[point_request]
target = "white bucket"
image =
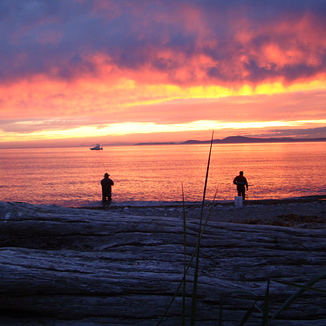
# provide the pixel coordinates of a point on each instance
(238, 200)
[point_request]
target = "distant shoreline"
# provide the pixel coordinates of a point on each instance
(227, 140)
(238, 140)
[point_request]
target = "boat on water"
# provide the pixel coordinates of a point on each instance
(97, 147)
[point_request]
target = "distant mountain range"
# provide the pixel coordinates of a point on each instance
(241, 140)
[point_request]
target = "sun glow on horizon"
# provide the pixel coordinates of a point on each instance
(81, 104)
(130, 128)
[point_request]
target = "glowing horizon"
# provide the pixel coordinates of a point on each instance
(149, 128)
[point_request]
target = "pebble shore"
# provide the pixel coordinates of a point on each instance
(305, 212)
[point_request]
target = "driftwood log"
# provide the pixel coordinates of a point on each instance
(63, 266)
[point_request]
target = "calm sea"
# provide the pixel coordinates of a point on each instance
(71, 176)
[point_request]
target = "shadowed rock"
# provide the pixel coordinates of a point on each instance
(74, 267)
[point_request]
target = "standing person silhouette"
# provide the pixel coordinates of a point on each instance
(106, 184)
(241, 183)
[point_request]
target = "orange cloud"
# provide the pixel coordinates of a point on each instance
(113, 65)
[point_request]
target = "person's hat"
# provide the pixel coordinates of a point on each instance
(106, 174)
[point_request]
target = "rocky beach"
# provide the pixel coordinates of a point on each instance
(123, 264)
(299, 212)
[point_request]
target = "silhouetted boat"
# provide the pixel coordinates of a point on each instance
(96, 148)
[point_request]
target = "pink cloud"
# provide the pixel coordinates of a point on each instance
(101, 62)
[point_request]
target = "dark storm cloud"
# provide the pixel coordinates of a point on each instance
(61, 38)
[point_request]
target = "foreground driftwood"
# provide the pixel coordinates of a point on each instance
(81, 267)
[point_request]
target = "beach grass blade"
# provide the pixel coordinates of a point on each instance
(184, 259)
(307, 286)
(249, 311)
(195, 283)
(266, 306)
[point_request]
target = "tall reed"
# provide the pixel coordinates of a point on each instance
(184, 293)
(195, 254)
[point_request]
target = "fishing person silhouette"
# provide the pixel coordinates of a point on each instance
(106, 184)
(242, 184)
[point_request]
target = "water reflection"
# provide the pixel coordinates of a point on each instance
(71, 176)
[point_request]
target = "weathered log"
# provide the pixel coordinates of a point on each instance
(72, 266)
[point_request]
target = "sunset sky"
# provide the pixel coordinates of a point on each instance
(80, 72)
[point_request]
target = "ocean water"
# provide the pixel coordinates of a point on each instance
(71, 176)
